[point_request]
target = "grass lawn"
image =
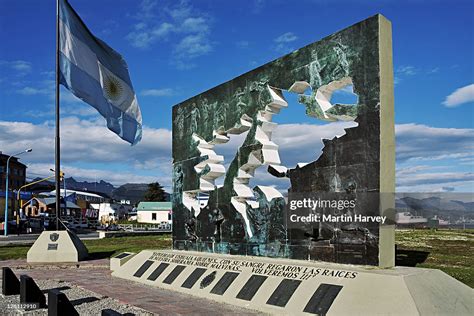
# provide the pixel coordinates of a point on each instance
(451, 251)
(102, 248)
(447, 250)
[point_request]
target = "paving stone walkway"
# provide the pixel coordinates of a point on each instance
(96, 276)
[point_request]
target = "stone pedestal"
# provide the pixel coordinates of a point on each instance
(119, 260)
(57, 246)
(295, 287)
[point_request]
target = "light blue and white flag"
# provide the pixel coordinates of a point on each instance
(98, 75)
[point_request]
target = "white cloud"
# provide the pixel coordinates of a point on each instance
(33, 91)
(193, 46)
(158, 92)
(297, 142)
(146, 10)
(162, 30)
(108, 27)
(20, 67)
(44, 87)
(440, 185)
(67, 97)
(409, 170)
(140, 39)
(303, 142)
(80, 110)
(70, 105)
(195, 25)
(91, 174)
(283, 40)
(190, 30)
(88, 141)
(144, 36)
(441, 147)
(435, 178)
(286, 38)
(460, 96)
(421, 142)
(404, 71)
(431, 159)
(407, 70)
(180, 11)
(468, 161)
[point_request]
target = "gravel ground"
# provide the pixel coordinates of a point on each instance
(91, 288)
(85, 302)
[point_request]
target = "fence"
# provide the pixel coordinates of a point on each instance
(148, 227)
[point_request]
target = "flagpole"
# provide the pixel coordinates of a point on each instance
(57, 140)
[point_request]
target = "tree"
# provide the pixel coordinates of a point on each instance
(155, 193)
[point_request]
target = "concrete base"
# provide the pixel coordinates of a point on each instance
(292, 287)
(57, 246)
(120, 259)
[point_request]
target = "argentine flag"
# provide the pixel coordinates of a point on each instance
(98, 75)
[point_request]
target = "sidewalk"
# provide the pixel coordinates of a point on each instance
(96, 276)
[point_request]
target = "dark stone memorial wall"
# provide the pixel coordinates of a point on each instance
(239, 219)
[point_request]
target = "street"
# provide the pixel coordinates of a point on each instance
(29, 239)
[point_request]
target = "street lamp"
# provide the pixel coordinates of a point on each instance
(6, 188)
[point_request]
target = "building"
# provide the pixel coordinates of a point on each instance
(81, 195)
(16, 179)
(37, 206)
(17, 173)
(111, 211)
(87, 201)
(154, 212)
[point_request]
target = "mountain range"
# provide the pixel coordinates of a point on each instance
(134, 192)
(442, 205)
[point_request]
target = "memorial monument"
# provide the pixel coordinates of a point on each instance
(56, 247)
(241, 246)
(362, 160)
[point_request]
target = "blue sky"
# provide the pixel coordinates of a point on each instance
(176, 50)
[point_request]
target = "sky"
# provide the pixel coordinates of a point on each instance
(178, 49)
